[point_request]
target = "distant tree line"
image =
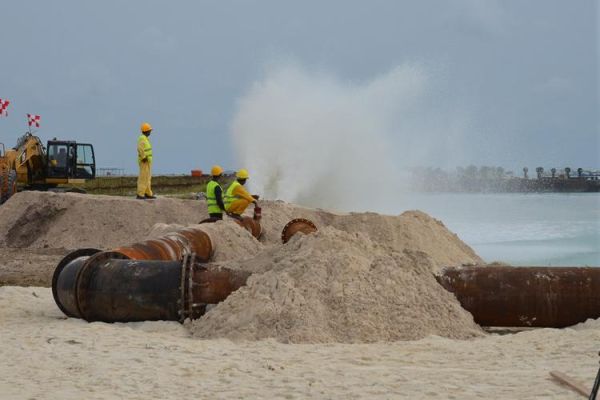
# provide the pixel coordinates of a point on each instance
(495, 179)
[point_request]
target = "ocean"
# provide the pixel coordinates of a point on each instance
(556, 229)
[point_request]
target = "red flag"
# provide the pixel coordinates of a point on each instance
(3, 107)
(33, 120)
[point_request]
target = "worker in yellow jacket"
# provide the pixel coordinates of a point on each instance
(237, 197)
(144, 150)
(214, 195)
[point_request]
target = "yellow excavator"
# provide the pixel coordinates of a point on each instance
(31, 166)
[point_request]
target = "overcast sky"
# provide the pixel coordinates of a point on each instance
(524, 73)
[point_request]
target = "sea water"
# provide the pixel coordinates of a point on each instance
(520, 229)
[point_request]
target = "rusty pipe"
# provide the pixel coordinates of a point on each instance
(296, 225)
(171, 247)
(252, 225)
(95, 287)
(553, 297)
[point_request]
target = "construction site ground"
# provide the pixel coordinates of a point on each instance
(266, 340)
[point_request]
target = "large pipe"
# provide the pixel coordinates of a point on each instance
(296, 225)
(171, 247)
(95, 287)
(507, 296)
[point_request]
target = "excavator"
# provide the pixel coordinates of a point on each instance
(31, 166)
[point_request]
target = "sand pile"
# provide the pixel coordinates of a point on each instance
(363, 277)
(412, 230)
(69, 220)
(335, 286)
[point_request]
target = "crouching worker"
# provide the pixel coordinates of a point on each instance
(237, 197)
(214, 195)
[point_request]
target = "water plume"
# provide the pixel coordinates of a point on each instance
(313, 139)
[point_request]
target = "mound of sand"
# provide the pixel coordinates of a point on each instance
(363, 277)
(335, 286)
(72, 221)
(412, 230)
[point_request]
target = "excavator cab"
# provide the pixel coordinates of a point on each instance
(69, 162)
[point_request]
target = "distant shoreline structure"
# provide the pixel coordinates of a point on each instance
(485, 179)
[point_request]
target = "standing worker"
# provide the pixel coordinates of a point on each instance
(237, 198)
(144, 150)
(214, 194)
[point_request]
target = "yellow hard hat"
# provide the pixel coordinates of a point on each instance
(216, 170)
(146, 127)
(242, 174)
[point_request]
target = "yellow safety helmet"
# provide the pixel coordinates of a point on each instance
(242, 174)
(146, 127)
(216, 170)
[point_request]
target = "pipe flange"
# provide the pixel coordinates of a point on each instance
(84, 276)
(61, 265)
(297, 225)
(183, 286)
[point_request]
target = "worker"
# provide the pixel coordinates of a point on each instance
(237, 198)
(144, 150)
(61, 158)
(214, 194)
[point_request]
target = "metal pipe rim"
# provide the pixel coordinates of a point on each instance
(88, 252)
(299, 225)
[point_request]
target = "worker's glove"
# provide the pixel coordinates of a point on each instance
(145, 159)
(256, 197)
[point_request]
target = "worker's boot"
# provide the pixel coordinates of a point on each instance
(150, 197)
(138, 197)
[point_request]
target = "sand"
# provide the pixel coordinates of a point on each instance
(72, 221)
(359, 296)
(45, 356)
(28, 267)
(335, 286)
(60, 222)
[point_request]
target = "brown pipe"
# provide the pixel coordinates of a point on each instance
(97, 288)
(553, 297)
(251, 225)
(171, 246)
(297, 225)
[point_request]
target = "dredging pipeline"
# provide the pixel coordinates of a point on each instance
(92, 286)
(504, 296)
(170, 247)
(297, 225)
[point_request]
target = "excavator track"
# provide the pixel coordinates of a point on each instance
(8, 184)
(4, 195)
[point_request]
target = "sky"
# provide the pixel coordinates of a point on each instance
(506, 83)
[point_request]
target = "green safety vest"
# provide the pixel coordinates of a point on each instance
(147, 148)
(229, 196)
(211, 198)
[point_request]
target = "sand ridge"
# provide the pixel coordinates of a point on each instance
(363, 277)
(335, 286)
